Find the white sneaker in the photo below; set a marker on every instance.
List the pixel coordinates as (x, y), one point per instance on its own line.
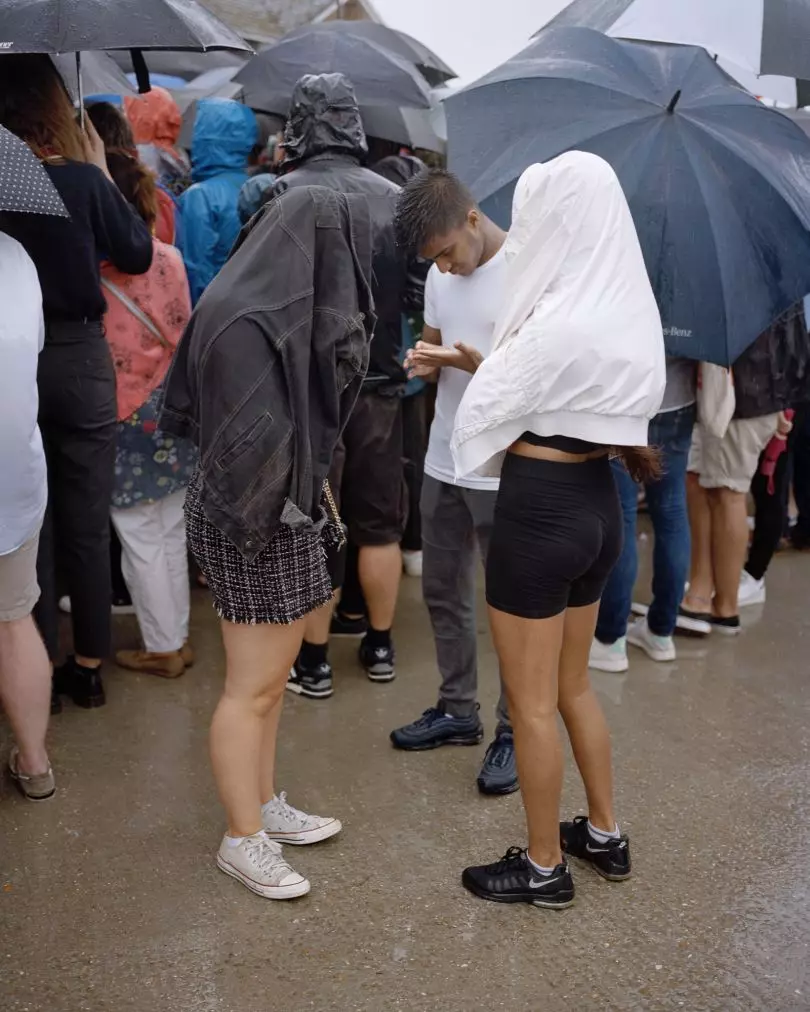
(412, 563)
(751, 591)
(257, 863)
(659, 648)
(609, 656)
(288, 825)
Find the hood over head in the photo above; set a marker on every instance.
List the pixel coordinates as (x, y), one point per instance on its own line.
(572, 233)
(225, 133)
(155, 118)
(324, 116)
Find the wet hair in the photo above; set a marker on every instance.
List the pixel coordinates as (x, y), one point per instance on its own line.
(36, 106)
(432, 204)
(112, 126)
(135, 181)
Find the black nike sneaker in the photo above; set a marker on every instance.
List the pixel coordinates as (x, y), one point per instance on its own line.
(513, 879)
(611, 859)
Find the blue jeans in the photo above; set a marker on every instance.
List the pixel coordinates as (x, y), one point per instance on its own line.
(671, 432)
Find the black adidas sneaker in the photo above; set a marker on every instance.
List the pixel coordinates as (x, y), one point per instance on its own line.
(611, 859)
(513, 879)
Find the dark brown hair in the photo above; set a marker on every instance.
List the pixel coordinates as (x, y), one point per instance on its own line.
(35, 105)
(112, 126)
(135, 181)
(643, 463)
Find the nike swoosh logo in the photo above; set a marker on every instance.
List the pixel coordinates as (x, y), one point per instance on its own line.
(596, 850)
(534, 884)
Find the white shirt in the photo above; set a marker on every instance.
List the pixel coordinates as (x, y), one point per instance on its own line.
(24, 484)
(463, 309)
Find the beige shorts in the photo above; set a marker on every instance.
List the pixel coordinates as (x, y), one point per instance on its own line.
(731, 462)
(19, 590)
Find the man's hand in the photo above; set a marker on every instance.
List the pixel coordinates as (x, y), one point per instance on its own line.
(426, 358)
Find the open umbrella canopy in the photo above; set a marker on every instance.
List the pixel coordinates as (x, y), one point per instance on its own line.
(432, 67)
(379, 76)
(71, 26)
(182, 62)
(100, 75)
(718, 184)
(762, 36)
(24, 185)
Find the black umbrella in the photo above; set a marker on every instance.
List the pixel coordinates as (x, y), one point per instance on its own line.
(71, 26)
(379, 76)
(766, 36)
(432, 67)
(718, 184)
(24, 185)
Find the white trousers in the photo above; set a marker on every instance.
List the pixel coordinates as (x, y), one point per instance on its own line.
(155, 566)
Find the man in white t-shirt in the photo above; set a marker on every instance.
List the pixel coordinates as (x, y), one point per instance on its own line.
(438, 218)
(25, 672)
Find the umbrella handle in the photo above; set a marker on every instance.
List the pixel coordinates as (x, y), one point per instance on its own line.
(141, 71)
(80, 89)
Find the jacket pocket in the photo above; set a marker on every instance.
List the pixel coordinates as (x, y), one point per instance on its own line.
(244, 442)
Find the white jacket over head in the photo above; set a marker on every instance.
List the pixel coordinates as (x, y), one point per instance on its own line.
(578, 348)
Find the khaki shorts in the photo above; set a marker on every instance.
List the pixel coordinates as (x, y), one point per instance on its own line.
(19, 590)
(731, 462)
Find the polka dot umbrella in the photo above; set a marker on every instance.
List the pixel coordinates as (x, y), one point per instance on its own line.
(24, 185)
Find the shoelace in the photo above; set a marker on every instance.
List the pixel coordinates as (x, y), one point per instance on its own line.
(499, 753)
(430, 715)
(266, 854)
(513, 856)
(293, 815)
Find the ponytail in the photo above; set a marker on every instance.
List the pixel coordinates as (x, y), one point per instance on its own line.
(643, 463)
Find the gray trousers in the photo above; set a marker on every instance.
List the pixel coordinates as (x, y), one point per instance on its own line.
(456, 528)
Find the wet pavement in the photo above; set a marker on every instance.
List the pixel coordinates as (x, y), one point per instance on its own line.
(110, 899)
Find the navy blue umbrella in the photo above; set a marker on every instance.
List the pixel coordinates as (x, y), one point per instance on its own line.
(719, 185)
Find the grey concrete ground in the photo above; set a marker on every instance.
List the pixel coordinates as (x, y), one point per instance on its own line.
(110, 899)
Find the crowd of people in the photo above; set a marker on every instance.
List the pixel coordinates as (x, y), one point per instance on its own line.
(302, 373)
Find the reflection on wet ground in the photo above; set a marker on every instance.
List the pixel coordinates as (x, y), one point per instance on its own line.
(109, 897)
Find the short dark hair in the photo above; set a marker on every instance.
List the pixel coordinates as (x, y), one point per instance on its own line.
(431, 204)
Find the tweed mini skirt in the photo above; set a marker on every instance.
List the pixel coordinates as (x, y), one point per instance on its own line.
(286, 581)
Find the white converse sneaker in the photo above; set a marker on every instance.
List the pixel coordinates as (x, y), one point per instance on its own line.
(659, 648)
(257, 863)
(609, 656)
(751, 591)
(284, 823)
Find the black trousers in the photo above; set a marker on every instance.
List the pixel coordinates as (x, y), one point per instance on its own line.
(770, 516)
(77, 418)
(415, 443)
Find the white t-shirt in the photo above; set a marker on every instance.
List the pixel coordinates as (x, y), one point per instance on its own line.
(24, 484)
(463, 309)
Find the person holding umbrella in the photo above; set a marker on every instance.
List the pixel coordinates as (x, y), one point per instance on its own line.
(576, 373)
(25, 674)
(77, 404)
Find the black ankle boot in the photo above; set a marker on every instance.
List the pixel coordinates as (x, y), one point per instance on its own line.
(83, 685)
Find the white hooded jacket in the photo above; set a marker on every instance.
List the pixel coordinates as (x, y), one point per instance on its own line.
(578, 348)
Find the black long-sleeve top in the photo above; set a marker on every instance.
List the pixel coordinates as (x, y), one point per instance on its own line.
(67, 252)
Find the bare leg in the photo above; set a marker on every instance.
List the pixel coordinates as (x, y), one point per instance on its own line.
(258, 661)
(25, 690)
(267, 769)
(729, 547)
(317, 623)
(529, 654)
(380, 574)
(701, 576)
(583, 716)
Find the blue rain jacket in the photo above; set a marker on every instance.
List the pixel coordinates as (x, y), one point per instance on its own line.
(224, 134)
